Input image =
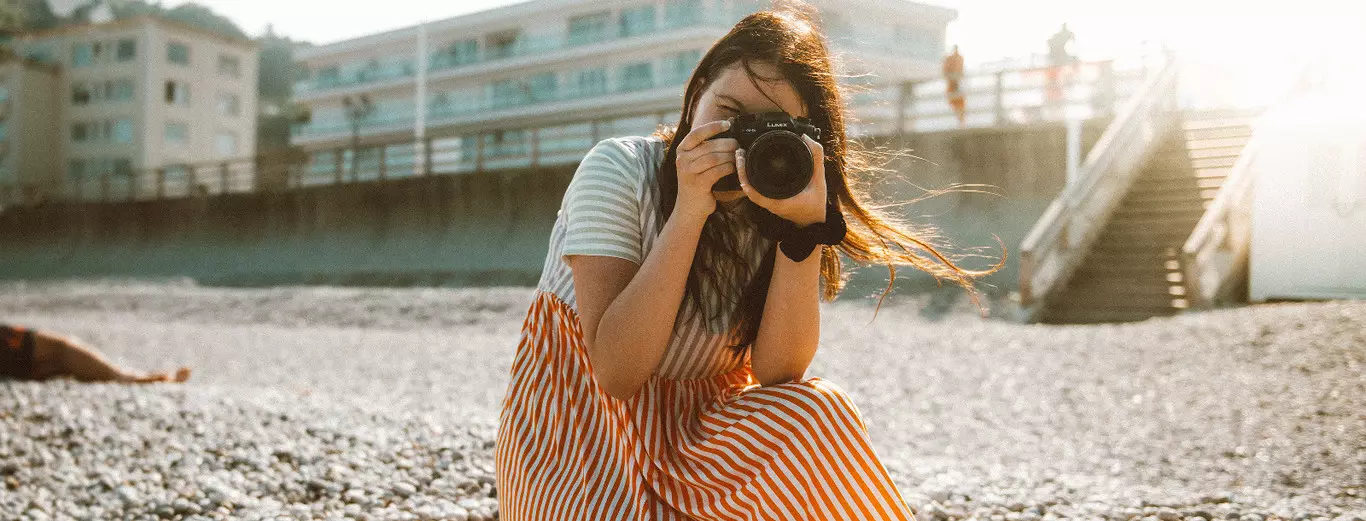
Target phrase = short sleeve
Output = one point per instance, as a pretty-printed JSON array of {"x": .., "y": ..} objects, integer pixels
[{"x": 602, "y": 206}]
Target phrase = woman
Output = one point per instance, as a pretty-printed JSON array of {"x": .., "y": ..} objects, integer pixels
[
  {"x": 29, "y": 354},
  {"x": 661, "y": 370}
]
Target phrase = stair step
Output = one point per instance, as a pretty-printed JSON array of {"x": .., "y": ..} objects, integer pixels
[
  {"x": 1206, "y": 143},
  {"x": 1183, "y": 207},
  {"x": 1237, "y": 131},
  {"x": 1216, "y": 152},
  {"x": 1151, "y": 225},
  {"x": 1169, "y": 183},
  {"x": 1170, "y": 196},
  {"x": 1071, "y": 299},
  {"x": 1105, "y": 316},
  {"x": 1216, "y": 121}
]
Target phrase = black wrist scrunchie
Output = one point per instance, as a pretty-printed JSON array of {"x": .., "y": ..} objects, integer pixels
[{"x": 797, "y": 243}]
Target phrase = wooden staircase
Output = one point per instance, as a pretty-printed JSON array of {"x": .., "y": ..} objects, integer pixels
[{"x": 1133, "y": 271}]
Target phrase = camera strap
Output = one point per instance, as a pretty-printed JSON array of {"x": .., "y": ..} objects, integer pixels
[{"x": 797, "y": 243}]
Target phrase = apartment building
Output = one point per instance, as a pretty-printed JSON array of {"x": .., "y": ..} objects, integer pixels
[
  {"x": 27, "y": 89},
  {"x": 560, "y": 73},
  {"x": 139, "y": 95}
]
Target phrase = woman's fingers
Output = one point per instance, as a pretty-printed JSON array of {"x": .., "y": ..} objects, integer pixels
[
  {"x": 706, "y": 162},
  {"x": 711, "y": 175},
  {"x": 700, "y": 134}
]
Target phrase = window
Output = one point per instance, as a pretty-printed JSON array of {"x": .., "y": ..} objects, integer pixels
[
  {"x": 80, "y": 94},
  {"x": 226, "y": 144},
  {"x": 121, "y": 90},
  {"x": 177, "y": 132},
  {"x": 127, "y": 49},
  {"x": 82, "y": 55},
  {"x": 542, "y": 87},
  {"x": 509, "y": 93},
  {"x": 123, "y": 131},
  {"x": 461, "y": 53},
  {"x": 177, "y": 52},
  {"x": 590, "y": 82},
  {"x": 76, "y": 169},
  {"x": 678, "y": 66},
  {"x": 177, "y": 93},
  {"x": 588, "y": 28},
  {"x": 229, "y": 66},
  {"x": 682, "y": 13},
  {"x": 636, "y": 76},
  {"x": 79, "y": 132},
  {"x": 504, "y": 44},
  {"x": 329, "y": 76},
  {"x": 637, "y": 20},
  {"x": 229, "y": 105}
]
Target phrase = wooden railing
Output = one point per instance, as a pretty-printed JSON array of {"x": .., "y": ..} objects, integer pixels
[
  {"x": 1215, "y": 256},
  {"x": 1060, "y": 239}
]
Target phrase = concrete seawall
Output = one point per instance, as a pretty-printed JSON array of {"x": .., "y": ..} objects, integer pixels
[{"x": 480, "y": 229}]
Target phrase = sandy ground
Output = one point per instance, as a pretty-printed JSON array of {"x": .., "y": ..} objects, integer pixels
[{"x": 324, "y": 402}]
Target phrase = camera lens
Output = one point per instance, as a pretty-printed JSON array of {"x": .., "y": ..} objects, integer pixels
[{"x": 779, "y": 164}]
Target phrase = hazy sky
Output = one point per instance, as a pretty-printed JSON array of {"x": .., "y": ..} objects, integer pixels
[{"x": 986, "y": 29}]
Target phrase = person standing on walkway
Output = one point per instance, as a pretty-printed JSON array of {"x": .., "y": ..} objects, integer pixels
[
  {"x": 662, "y": 369},
  {"x": 1059, "y": 58},
  {"x": 953, "y": 81}
]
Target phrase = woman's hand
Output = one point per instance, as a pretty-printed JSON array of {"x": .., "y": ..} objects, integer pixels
[
  {"x": 805, "y": 208},
  {"x": 700, "y": 163}
]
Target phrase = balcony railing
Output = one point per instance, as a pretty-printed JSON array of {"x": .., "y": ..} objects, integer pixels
[
  {"x": 521, "y": 46},
  {"x": 535, "y": 147}
]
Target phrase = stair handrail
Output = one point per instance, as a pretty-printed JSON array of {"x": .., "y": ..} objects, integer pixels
[
  {"x": 1050, "y": 251},
  {"x": 1217, "y": 248}
]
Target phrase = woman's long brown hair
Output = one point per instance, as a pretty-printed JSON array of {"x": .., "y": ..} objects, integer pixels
[{"x": 789, "y": 38}]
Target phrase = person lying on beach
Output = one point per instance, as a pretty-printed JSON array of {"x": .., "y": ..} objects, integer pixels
[{"x": 30, "y": 354}]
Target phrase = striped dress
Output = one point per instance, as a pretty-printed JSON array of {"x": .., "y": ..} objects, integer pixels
[{"x": 702, "y": 439}]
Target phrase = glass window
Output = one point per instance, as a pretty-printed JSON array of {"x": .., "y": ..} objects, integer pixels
[
  {"x": 79, "y": 132},
  {"x": 76, "y": 169},
  {"x": 229, "y": 66},
  {"x": 638, "y": 20},
  {"x": 177, "y": 52},
  {"x": 678, "y": 66},
  {"x": 509, "y": 93},
  {"x": 177, "y": 93},
  {"x": 229, "y": 105},
  {"x": 123, "y": 130},
  {"x": 82, "y": 55},
  {"x": 543, "y": 87},
  {"x": 636, "y": 76},
  {"x": 226, "y": 143},
  {"x": 462, "y": 52},
  {"x": 121, "y": 166},
  {"x": 503, "y": 44},
  {"x": 590, "y": 82},
  {"x": 588, "y": 28},
  {"x": 329, "y": 76},
  {"x": 122, "y": 90},
  {"x": 177, "y": 132},
  {"x": 80, "y": 94},
  {"x": 682, "y": 13},
  {"x": 128, "y": 49},
  {"x": 4, "y": 93}
]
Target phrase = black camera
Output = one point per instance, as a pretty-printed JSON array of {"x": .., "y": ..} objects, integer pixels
[{"x": 777, "y": 161}]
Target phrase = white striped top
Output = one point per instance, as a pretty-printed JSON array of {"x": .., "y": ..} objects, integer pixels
[{"x": 611, "y": 208}]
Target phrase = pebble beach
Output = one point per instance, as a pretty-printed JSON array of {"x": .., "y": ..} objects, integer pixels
[{"x": 379, "y": 403}]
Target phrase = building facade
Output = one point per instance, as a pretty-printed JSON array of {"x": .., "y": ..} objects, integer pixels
[
  {"x": 143, "y": 101},
  {"x": 543, "y": 80},
  {"x": 27, "y": 89}
]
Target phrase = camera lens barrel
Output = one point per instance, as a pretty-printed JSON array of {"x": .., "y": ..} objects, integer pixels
[{"x": 777, "y": 161}]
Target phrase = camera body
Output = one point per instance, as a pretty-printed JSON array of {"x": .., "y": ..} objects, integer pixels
[{"x": 777, "y": 161}]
